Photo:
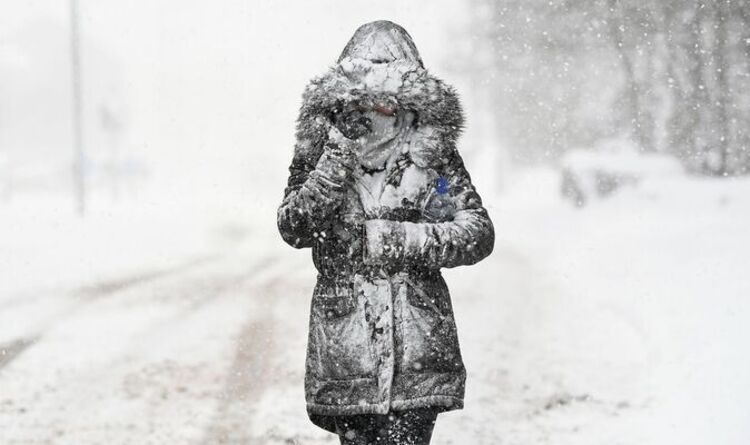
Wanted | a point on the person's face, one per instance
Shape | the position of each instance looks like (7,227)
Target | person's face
(384,128)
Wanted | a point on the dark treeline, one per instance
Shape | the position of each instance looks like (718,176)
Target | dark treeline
(671,76)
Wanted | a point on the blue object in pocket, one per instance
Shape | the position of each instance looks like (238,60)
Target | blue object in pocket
(442,185)
(439,206)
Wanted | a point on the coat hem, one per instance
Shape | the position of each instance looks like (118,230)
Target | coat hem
(446,402)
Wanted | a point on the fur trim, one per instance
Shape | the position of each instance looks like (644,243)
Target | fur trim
(440,117)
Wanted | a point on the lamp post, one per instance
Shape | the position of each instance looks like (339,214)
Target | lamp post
(79,154)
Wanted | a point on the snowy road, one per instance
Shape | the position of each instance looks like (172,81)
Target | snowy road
(573,332)
(213,352)
(175,356)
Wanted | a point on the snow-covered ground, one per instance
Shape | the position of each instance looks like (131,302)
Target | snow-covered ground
(622,322)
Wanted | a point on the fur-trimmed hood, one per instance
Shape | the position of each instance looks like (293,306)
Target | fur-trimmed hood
(401,82)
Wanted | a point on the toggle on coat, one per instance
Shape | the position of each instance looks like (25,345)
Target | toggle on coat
(382,335)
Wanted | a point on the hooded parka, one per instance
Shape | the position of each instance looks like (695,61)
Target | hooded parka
(382,335)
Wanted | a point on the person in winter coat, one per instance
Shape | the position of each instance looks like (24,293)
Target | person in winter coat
(380,193)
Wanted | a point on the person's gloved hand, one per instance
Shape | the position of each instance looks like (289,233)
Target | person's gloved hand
(335,167)
(349,228)
(351,121)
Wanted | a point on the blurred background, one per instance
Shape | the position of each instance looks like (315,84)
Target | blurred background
(146,296)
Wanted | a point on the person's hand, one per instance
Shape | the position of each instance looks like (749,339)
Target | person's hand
(349,228)
(340,146)
(351,121)
(336,165)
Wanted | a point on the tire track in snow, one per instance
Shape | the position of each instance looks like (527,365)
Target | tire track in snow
(245,383)
(109,287)
(12,349)
(78,298)
(253,370)
(183,298)
(9,351)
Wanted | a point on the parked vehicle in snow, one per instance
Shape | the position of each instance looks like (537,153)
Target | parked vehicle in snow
(588,175)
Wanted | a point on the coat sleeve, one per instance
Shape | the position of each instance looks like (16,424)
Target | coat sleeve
(466,239)
(318,176)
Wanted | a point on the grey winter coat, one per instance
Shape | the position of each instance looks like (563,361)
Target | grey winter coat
(382,334)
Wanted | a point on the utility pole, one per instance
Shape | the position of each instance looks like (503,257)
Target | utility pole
(79,156)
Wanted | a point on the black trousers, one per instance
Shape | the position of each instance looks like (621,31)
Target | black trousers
(408,427)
